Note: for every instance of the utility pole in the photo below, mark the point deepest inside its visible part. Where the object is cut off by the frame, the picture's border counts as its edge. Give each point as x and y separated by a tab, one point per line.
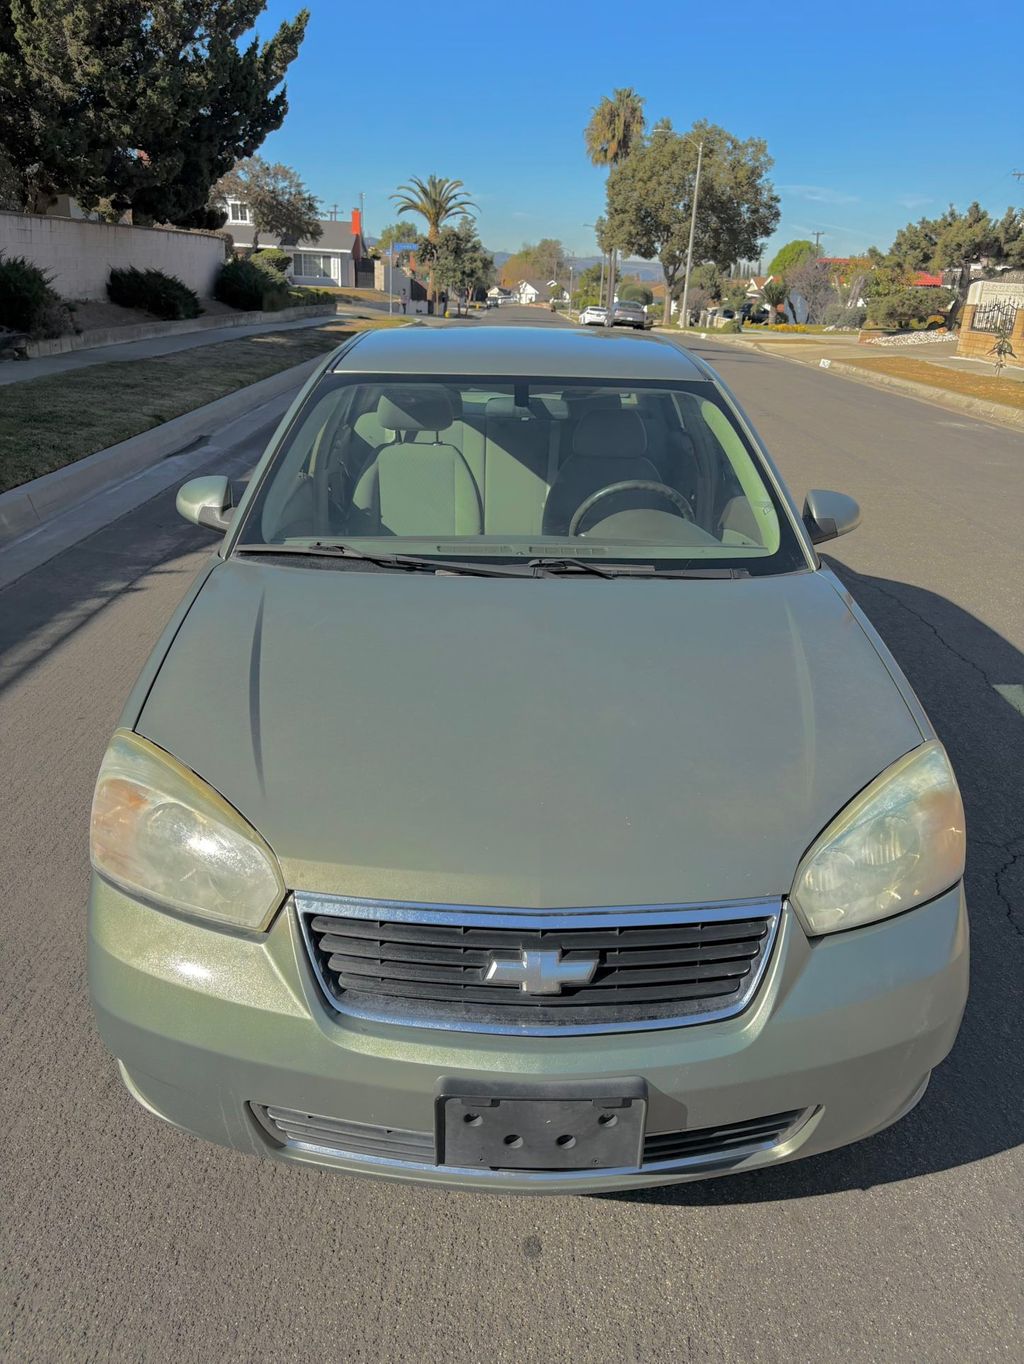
610	305
684	318
817	240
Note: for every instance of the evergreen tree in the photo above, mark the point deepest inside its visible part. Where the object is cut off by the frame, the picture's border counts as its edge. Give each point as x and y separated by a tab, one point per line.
140	105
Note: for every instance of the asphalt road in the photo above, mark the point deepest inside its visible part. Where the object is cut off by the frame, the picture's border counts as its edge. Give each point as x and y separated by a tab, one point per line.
123	1240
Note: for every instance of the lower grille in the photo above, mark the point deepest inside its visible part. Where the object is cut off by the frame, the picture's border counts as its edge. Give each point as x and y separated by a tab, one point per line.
521	972
312	1132
711	1142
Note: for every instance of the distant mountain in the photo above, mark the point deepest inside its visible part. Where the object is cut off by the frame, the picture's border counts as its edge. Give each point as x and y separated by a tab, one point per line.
643	269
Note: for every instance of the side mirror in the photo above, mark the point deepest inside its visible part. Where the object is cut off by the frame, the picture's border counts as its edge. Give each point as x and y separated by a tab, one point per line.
206	502
828	515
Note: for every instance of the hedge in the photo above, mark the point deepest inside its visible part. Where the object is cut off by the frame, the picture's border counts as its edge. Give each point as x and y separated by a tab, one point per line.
154	292
27	303
252	286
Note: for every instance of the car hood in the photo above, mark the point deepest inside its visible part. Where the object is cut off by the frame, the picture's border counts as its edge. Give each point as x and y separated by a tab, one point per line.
528	742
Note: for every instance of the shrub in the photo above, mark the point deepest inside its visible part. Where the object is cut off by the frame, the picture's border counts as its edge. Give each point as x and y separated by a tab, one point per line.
839	315
636	293
153	292
307	298
906	306
27	303
273	255
252	286
733	325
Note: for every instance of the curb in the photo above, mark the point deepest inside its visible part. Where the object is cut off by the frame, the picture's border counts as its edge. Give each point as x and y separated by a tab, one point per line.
997	413
144	331
29	507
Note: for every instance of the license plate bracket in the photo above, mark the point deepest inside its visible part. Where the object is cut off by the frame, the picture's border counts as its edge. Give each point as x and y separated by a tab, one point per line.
575	1125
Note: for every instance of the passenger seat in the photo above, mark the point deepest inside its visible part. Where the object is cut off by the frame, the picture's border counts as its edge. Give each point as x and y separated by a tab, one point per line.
414	486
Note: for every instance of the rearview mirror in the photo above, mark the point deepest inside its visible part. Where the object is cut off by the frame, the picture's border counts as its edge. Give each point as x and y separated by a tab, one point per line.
828	515
206	502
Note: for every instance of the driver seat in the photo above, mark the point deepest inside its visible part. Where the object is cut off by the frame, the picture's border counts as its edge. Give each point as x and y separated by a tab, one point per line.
607	447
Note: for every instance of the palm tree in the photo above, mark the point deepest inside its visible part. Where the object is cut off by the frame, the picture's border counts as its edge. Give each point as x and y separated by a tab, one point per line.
774	293
436	201
616	127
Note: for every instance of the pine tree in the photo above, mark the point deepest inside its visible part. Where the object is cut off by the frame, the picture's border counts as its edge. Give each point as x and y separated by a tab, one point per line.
140	105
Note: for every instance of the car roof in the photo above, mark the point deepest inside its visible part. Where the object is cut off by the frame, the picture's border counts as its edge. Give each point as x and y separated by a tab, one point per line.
470	348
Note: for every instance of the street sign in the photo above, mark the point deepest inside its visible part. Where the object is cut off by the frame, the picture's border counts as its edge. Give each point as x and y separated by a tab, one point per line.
400	247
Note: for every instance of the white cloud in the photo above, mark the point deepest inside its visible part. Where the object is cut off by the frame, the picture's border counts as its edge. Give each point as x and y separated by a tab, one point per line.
820	194
913	201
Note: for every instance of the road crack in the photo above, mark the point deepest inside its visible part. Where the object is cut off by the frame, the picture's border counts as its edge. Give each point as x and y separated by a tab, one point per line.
1013	852
872	585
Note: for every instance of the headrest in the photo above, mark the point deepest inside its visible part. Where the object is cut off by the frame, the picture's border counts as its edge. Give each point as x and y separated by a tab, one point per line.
605	435
428	408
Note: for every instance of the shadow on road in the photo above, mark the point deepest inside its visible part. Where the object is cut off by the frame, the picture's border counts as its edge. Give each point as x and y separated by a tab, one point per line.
47	607
973	1106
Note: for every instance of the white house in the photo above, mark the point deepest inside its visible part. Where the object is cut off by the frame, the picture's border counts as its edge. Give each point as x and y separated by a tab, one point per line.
332	259
526	291
538	291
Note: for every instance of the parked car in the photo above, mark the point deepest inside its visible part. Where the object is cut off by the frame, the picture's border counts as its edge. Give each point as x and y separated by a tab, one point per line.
593	314
629	314
516	801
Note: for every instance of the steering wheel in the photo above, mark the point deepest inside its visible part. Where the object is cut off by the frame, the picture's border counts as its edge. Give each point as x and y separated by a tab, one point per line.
640	485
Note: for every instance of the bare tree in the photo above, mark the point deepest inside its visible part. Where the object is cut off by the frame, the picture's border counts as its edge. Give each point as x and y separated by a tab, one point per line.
812	281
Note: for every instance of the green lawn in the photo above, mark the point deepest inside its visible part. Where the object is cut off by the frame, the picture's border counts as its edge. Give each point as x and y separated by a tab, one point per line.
48	423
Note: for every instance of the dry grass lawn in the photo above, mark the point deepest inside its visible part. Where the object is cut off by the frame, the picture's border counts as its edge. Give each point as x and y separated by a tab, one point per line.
987	386
48	423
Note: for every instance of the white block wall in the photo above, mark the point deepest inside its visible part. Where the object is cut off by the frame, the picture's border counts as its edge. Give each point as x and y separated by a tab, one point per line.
80	254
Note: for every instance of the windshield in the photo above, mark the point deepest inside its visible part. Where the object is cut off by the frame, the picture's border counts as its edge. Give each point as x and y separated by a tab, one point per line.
522	468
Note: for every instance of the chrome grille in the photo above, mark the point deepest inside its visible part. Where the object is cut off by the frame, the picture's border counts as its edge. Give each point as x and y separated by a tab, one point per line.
301	1131
313	1132
428	965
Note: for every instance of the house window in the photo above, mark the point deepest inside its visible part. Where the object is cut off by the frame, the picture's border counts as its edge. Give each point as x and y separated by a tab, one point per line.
238	213
308	264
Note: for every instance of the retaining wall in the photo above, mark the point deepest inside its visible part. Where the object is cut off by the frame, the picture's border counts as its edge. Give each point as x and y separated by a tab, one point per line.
80	254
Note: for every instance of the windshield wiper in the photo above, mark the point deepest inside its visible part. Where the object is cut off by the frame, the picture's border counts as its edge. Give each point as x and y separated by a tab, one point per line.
631	570
409	563
531	568
554	564
702	573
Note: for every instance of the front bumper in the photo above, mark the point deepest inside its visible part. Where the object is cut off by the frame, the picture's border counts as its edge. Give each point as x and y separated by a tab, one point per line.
206	1025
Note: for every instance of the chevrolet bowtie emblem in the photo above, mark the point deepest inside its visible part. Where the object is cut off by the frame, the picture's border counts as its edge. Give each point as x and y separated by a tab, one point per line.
540	972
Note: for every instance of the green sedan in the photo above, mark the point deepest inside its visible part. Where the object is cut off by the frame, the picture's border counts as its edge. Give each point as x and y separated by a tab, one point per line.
515	801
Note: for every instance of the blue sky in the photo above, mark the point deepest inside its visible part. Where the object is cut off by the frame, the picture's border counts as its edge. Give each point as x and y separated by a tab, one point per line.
874	115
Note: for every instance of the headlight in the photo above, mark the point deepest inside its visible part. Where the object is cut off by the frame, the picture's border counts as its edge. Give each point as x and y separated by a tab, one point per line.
899	843
160	832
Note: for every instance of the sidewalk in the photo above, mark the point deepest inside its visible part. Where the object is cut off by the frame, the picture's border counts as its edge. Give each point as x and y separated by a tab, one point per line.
17	371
